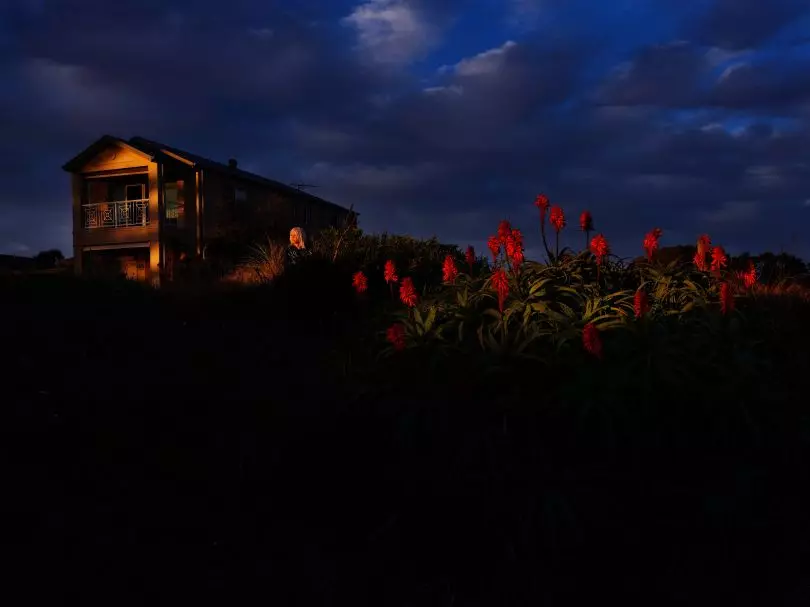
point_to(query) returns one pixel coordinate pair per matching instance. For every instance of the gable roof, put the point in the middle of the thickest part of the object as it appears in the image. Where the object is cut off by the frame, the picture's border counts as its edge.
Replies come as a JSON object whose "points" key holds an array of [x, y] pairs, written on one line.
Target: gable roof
{"points": [[156, 148], [78, 161]]}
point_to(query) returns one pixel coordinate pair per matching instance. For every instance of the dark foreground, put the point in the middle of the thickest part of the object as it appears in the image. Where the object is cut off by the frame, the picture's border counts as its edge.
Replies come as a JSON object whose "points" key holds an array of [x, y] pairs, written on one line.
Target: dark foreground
{"points": [[229, 459]]}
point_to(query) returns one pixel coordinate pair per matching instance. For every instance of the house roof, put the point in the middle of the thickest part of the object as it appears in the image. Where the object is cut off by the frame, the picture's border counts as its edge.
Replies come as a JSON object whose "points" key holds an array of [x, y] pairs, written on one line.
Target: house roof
{"points": [[78, 161], [154, 150]]}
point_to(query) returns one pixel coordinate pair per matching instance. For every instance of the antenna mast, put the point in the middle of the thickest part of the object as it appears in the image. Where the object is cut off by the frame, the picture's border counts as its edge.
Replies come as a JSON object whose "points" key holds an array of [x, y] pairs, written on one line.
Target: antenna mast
{"points": [[299, 186]]}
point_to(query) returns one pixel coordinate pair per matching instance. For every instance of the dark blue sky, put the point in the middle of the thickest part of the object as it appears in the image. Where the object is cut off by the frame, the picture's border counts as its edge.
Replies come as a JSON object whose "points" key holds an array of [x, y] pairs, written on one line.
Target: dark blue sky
{"points": [[431, 116]]}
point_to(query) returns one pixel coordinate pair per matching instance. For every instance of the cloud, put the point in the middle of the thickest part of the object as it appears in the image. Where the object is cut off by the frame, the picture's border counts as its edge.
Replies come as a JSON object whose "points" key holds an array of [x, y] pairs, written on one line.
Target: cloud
{"points": [[482, 64], [684, 75], [74, 93], [454, 89], [391, 31], [730, 70], [663, 74], [745, 24], [763, 84], [733, 212]]}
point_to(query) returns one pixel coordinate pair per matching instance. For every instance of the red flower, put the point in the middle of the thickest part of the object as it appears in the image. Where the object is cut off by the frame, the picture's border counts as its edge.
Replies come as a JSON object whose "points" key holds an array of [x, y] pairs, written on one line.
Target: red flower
{"points": [[501, 284], [514, 247], [360, 282], [750, 275], [449, 270], [641, 303], [391, 272], [541, 202], [586, 221], [504, 229], [700, 261], [719, 259], [395, 334], [726, 298], [591, 340], [407, 292], [600, 248], [557, 218], [495, 247], [651, 242], [703, 244], [469, 257]]}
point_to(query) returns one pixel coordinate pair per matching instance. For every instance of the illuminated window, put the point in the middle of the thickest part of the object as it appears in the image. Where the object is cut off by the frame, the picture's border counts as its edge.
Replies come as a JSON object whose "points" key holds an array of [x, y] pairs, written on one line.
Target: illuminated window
{"points": [[174, 203]]}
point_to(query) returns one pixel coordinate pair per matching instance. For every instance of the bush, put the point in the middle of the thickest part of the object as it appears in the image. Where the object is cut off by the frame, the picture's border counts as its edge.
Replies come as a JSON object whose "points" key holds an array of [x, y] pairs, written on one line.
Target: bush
{"points": [[264, 262]]}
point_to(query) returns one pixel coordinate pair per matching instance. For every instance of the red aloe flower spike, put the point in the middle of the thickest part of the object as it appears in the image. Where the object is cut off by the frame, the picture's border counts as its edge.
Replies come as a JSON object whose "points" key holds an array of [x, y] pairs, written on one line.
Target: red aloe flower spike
{"points": [[700, 261], [703, 244], [586, 221], [514, 248], [591, 340], [557, 218], [469, 257], [449, 270], [641, 303], [600, 248], [360, 282], [395, 334], [494, 246], [504, 229], [750, 275], [651, 242], [541, 202], [726, 298], [586, 225], [719, 259], [500, 283], [407, 292], [390, 272]]}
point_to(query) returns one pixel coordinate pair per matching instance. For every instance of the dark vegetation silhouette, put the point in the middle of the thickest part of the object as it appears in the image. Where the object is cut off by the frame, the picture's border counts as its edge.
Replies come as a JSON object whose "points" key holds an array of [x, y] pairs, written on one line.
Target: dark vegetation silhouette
{"points": [[48, 259], [300, 441]]}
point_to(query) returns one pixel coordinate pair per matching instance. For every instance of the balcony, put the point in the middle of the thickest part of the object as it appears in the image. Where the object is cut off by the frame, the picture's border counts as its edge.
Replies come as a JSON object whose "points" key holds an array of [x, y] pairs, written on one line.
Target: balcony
{"points": [[119, 214]]}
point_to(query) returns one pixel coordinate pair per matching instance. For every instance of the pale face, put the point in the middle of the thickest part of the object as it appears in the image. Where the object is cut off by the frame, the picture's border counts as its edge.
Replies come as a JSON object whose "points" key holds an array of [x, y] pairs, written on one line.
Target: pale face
{"points": [[295, 240]]}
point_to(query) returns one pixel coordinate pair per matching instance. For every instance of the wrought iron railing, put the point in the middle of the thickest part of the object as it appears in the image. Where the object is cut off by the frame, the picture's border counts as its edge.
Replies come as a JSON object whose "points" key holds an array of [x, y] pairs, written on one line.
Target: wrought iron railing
{"points": [[119, 214]]}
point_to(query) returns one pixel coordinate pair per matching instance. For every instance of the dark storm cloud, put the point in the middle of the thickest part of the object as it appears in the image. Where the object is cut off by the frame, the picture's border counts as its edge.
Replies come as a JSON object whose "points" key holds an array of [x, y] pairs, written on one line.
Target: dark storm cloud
{"points": [[688, 133], [663, 75], [745, 24], [764, 85]]}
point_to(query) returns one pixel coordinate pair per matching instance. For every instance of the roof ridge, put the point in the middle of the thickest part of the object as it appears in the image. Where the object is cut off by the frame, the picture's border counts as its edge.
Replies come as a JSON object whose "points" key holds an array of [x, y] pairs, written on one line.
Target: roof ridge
{"points": [[197, 159]]}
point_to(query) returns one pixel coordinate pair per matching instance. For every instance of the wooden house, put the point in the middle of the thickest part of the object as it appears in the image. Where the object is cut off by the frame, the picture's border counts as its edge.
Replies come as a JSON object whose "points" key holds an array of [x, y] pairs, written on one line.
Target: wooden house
{"points": [[140, 207]]}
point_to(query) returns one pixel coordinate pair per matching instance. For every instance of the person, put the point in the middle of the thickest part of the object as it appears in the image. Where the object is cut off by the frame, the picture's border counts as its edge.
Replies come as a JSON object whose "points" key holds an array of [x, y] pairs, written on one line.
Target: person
{"points": [[297, 249]]}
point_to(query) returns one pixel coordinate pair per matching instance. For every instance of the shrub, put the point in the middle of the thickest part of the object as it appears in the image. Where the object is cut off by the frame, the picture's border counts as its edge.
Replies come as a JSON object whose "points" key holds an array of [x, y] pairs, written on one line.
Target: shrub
{"points": [[264, 262], [598, 329]]}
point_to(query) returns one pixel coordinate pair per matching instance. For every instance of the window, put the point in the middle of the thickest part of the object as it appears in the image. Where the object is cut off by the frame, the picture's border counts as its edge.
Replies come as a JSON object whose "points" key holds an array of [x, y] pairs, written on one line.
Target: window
{"points": [[174, 203], [239, 195]]}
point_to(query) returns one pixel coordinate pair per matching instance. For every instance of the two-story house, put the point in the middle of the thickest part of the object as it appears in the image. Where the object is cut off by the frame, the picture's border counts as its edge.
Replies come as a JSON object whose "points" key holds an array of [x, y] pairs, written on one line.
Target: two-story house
{"points": [[139, 206]]}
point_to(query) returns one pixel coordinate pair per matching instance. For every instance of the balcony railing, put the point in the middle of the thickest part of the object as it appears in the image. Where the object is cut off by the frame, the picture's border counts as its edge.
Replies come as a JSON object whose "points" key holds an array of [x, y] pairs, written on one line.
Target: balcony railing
{"points": [[119, 214]]}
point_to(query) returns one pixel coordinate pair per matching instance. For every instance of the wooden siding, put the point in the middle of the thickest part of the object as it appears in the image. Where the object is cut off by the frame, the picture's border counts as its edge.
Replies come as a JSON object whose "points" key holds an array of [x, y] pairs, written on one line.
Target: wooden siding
{"points": [[117, 158], [114, 157], [262, 210]]}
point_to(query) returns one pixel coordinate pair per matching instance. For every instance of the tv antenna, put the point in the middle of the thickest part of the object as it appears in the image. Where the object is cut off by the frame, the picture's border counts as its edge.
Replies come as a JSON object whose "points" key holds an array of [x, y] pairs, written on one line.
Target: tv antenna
{"points": [[298, 186]]}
